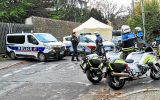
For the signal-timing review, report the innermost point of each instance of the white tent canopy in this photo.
(92, 25)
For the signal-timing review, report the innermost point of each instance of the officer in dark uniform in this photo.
(99, 44)
(128, 41)
(75, 42)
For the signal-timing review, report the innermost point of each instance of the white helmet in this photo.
(125, 29)
(138, 29)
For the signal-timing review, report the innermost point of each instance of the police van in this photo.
(41, 46)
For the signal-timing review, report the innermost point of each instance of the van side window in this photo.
(31, 39)
(19, 39)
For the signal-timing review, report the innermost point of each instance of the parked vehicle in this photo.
(94, 66)
(41, 46)
(136, 66)
(83, 42)
(117, 71)
(87, 41)
(156, 46)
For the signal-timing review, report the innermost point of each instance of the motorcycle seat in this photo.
(129, 60)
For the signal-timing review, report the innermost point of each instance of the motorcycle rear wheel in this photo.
(115, 83)
(92, 77)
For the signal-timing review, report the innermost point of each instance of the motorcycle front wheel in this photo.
(155, 72)
(93, 77)
(115, 82)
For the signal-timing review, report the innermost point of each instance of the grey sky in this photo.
(125, 3)
(122, 2)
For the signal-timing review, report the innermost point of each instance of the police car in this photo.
(84, 42)
(41, 46)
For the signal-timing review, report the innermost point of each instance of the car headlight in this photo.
(57, 46)
(48, 47)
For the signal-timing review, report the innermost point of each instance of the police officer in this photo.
(128, 40)
(75, 42)
(139, 32)
(139, 38)
(99, 44)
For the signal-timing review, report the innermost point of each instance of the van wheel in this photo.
(12, 55)
(41, 57)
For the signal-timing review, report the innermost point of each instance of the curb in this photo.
(138, 91)
(16, 64)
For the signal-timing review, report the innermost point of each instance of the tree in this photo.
(111, 11)
(13, 10)
(17, 10)
(152, 18)
(72, 13)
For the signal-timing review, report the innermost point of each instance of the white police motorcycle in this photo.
(136, 66)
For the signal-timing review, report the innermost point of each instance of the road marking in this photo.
(34, 65)
(71, 67)
(40, 63)
(17, 71)
(6, 75)
(147, 82)
(26, 68)
(87, 84)
(9, 88)
(49, 68)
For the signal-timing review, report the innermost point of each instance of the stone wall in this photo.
(58, 28)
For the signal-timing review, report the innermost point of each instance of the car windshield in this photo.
(93, 38)
(45, 38)
(84, 39)
(68, 38)
(108, 48)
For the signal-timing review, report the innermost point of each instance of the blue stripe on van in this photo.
(16, 48)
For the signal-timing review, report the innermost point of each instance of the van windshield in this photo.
(45, 38)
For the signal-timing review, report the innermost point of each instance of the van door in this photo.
(16, 43)
(33, 45)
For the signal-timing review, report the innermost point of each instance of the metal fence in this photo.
(9, 28)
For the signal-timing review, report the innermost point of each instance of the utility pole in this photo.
(143, 18)
(132, 8)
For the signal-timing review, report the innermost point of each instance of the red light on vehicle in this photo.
(91, 47)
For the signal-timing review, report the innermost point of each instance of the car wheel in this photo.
(58, 56)
(41, 57)
(12, 55)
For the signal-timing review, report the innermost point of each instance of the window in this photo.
(45, 38)
(19, 39)
(84, 39)
(31, 39)
(68, 38)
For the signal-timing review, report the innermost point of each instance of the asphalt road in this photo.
(64, 80)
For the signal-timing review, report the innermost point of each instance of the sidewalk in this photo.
(9, 63)
(108, 94)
